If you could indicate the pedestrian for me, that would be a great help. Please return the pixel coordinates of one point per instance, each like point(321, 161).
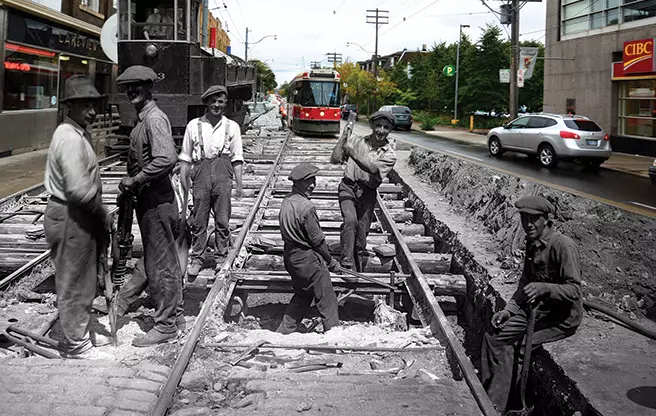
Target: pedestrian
point(306, 256)
point(76, 224)
point(368, 161)
point(151, 159)
point(211, 156)
point(551, 281)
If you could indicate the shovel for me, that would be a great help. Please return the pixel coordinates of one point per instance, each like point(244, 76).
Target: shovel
point(526, 410)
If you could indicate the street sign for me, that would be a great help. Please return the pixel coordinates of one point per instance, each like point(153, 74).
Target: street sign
point(520, 78)
point(449, 70)
point(504, 76)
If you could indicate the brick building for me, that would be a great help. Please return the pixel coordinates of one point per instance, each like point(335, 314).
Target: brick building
point(221, 39)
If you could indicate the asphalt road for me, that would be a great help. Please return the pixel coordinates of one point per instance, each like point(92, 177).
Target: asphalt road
point(619, 189)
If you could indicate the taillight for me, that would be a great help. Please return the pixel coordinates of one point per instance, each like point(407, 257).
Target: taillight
point(606, 137)
point(569, 135)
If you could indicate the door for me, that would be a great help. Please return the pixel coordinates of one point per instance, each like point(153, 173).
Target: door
point(533, 131)
point(512, 136)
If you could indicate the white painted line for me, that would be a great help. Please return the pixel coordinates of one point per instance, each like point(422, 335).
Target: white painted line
point(462, 155)
point(643, 205)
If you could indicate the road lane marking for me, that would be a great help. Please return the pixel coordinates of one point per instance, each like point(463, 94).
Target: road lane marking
point(464, 155)
point(643, 205)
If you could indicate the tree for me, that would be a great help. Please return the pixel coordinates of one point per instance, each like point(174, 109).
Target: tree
point(266, 79)
point(284, 89)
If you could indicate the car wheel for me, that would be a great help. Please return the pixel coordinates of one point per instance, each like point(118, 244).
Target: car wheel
point(494, 146)
point(547, 156)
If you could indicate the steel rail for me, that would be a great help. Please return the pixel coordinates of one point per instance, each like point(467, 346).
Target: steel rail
point(221, 286)
point(432, 315)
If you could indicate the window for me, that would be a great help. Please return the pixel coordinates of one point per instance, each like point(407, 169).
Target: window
point(638, 108)
point(153, 20)
point(583, 15)
point(582, 125)
point(520, 123)
point(91, 4)
point(536, 122)
point(319, 94)
point(31, 77)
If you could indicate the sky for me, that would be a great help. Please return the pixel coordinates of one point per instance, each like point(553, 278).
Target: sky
point(308, 29)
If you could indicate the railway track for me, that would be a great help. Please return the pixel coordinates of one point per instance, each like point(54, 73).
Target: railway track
point(433, 377)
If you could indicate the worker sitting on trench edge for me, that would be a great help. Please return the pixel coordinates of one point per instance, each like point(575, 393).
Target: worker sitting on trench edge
point(551, 279)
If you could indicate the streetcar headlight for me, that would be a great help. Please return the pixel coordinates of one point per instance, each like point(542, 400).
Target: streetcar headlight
point(151, 50)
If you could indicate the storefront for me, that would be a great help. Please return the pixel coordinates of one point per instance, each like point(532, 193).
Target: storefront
point(38, 55)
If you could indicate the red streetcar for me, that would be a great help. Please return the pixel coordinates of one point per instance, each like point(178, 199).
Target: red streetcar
point(313, 102)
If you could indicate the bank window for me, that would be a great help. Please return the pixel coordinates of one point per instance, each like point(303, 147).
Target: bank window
point(638, 108)
point(31, 78)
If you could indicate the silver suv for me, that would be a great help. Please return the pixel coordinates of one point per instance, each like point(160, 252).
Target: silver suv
point(552, 137)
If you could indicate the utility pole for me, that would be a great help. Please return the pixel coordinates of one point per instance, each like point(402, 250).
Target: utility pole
point(334, 58)
point(377, 17)
point(246, 47)
point(315, 65)
point(514, 58)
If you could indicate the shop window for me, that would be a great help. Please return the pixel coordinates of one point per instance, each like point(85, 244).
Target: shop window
point(91, 4)
point(31, 77)
point(638, 108)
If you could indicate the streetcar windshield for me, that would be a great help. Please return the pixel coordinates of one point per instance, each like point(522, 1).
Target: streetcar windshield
point(319, 94)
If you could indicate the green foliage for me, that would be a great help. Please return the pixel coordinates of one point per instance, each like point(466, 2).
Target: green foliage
point(266, 79)
point(283, 89)
point(426, 120)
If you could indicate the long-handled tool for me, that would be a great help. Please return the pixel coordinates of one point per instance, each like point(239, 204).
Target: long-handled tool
point(367, 278)
point(6, 328)
point(526, 367)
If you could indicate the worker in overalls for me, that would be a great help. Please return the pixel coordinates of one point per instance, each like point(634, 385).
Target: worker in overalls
point(306, 256)
point(151, 159)
point(551, 280)
point(211, 156)
point(75, 221)
point(368, 161)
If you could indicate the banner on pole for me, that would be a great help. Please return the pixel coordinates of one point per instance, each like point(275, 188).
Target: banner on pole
point(213, 37)
point(527, 58)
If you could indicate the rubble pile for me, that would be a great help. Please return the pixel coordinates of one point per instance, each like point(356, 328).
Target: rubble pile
point(265, 116)
point(616, 246)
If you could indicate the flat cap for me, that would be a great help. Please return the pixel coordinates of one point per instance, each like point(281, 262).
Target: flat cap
point(382, 114)
point(535, 205)
point(213, 90)
point(303, 171)
point(137, 73)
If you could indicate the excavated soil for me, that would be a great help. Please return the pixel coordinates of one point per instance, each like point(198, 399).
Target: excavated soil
point(616, 246)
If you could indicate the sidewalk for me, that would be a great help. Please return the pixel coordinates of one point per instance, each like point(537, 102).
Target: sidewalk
point(622, 162)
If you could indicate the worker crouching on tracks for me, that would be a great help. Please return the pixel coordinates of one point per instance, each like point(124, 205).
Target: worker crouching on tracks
point(306, 254)
point(211, 155)
point(151, 159)
point(76, 223)
point(368, 161)
point(551, 279)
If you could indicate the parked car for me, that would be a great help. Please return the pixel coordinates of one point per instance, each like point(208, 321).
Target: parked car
point(652, 173)
point(347, 109)
point(552, 137)
point(402, 115)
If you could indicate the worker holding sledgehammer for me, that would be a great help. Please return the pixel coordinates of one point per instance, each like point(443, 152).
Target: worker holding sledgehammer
point(551, 279)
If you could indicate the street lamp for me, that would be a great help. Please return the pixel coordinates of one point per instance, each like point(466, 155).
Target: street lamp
point(455, 106)
point(359, 46)
point(275, 37)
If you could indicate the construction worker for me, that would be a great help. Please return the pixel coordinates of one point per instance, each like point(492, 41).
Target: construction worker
point(76, 223)
point(368, 161)
point(211, 156)
point(306, 254)
point(551, 280)
point(151, 159)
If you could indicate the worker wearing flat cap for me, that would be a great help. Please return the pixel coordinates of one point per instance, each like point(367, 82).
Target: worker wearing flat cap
point(306, 256)
point(76, 224)
point(212, 157)
point(151, 159)
point(368, 161)
point(550, 284)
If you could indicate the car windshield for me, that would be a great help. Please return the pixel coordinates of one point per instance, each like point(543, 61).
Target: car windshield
point(400, 110)
point(583, 125)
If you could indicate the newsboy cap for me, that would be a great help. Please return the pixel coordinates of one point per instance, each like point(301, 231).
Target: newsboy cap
point(382, 114)
point(213, 90)
point(79, 87)
point(535, 205)
point(303, 171)
point(137, 73)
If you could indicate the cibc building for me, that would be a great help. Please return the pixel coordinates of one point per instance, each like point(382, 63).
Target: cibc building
point(40, 47)
point(605, 67)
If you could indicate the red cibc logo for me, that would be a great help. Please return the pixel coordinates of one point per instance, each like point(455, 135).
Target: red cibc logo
point(638, 56)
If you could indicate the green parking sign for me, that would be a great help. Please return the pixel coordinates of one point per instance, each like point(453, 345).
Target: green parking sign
point(449, 70)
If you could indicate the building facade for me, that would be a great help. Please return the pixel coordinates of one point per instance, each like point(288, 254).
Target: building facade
point(40, 47)
point(612, 77)
point(217, 37)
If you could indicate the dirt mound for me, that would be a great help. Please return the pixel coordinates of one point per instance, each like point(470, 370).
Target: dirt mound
point(616, 247)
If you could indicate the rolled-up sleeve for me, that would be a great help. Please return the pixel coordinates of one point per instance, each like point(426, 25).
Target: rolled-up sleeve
point(236, 147)
point(187, 145)
point(162, 149)
point(80, 185)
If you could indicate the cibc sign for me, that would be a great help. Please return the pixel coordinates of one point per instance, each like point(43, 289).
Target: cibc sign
point(638, 57)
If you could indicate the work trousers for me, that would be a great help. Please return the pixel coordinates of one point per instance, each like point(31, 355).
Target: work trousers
point(310, 281)
point(503, 353)
point(73, 236)
point(357, 203)
point(158, 217)
point(212, 188)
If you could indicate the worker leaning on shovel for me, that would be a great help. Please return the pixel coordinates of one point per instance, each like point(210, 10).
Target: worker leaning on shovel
point(76, 224)
point(551, 279)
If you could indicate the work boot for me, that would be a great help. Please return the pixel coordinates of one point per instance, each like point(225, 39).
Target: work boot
point(181, 323)
point(91, 354)
point(153, 337)
point(194, 267)
point(99, 340)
